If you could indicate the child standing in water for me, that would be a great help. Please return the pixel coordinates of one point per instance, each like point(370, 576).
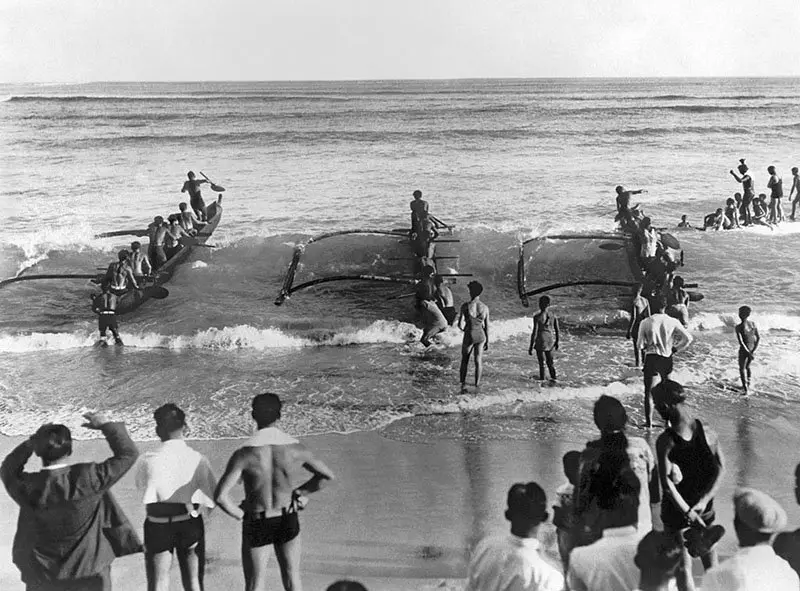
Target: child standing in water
point(544, 337)
point(747, 335)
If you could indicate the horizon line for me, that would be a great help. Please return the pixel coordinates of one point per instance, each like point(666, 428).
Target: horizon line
point(428, 79)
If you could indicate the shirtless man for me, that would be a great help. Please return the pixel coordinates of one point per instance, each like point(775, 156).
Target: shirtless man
point(418, 207)
point(775, 184)
point(747, 187)
point(188, 220)
point(157, 244)
point(433, 320)
point(120, 274)
point(139, 262)
point(192, 186)
point(152, 229)
point(796, 190)
point(173, 236)
point(269, 512)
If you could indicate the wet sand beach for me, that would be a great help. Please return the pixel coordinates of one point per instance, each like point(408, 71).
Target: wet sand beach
point(402, 515)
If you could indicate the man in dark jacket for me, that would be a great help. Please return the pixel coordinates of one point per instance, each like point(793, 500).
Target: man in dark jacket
point(69, 528)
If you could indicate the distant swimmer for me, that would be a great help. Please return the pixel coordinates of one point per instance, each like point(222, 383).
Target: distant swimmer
point(544, 337)
point(444, 299)
point(140, 264)
point(120, 274)
point(474, 321)
point(747, 187)
point(269, 512)
point(188, 220)
point(105, 306)
point(796, 190)
point(684, 223)
point(775, 184)
point(192, 186)
point(640, 309)
point(748, 338)
point(433, 321)
point(418, 207)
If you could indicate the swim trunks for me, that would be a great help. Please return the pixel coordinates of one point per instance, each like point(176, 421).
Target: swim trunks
point(106, 322)
point(449, 314)
point(657, 365)
point(166, 537)
point(262, 531)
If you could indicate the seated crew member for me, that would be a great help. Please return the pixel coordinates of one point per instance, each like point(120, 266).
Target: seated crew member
point(139, 262)
point(418, 207)
point(173, 237)
point(444, 299)
point(188, 220)
point(192, 186)
point(159, 256)
point(105, 306)
point(120, 273)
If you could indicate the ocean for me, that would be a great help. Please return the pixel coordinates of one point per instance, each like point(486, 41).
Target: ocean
point(501, 160)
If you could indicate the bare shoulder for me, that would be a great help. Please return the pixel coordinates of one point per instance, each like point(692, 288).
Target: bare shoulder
point(664, 443)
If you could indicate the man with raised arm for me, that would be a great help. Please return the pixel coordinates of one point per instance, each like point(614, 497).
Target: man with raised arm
point(69, 528)
point(269, 512)
point(192, 186)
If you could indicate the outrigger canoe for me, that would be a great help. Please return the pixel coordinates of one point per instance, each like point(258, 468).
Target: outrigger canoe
point(132, 299)
point(290, 288)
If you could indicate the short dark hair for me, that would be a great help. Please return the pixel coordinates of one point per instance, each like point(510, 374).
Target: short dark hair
point(658, 555)
point(668, 393)
point(571, 462)
point(620, 493)
point(344, 585)
point(266, 408)
point(169, 417)
point(527, 501)
point(660, 302)
point(544, 302)
point(745, 311)
point(475, 288)
point(417, 193)
point(609, 414)
point(53, 442)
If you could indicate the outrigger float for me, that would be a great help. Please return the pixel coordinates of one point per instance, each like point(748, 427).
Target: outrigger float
point(288, 288)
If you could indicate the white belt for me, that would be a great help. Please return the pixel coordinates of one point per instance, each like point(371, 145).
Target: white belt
point(108, 313)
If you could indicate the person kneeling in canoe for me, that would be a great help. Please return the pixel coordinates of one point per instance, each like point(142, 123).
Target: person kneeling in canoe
point(120, 274)
point(105, 306)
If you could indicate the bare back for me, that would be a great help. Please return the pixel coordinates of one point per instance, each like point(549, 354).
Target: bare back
point(266, 475)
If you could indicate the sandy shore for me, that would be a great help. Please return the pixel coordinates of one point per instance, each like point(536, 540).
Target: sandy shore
point(402, 515)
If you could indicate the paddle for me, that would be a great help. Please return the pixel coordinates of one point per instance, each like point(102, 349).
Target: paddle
point(122, 233)
point(214, 187)
point(46, 276)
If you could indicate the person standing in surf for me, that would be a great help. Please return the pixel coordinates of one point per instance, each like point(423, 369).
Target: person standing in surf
point(640, 309)
point(474, 321)
point(747, 188)
point(444, 299)
point(748, 338)
point(544, 338)
point(192, 186)
point(775, 184)
point(796, 190)
point(433, 321)
point(105, 306)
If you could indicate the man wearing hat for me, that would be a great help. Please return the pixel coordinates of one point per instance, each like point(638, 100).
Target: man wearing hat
point(514, 561)
point(757, 517)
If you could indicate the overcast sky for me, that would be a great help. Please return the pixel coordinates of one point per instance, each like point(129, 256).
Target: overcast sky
point(91, 40)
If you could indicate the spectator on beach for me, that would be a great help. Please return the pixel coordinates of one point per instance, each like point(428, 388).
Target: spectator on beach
point(748, 338)
point(787, 544)
point(755, 566)
point(688, 492)
point(608, 564)
point(747, 188)
point(612, 454)
point(70, 528)
point(775, 184)
point(640, 309)
point(796, 190)
point(544, 337)
point(474, 321)
point(269, 512)
point(176, 482)
point(513, 562)
point(658, 557)
point(564, 510)
point(660, 336)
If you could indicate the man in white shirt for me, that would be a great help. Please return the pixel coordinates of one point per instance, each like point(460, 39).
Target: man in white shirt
point(608, 564)
point(176, 481)
point(755, 566)
point(512, 562)
point(660, 336)
point(659, 556)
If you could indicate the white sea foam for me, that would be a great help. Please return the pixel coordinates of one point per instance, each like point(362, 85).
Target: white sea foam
point(707, 321)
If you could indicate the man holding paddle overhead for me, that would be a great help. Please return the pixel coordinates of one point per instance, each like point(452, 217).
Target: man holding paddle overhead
point(192, 186)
